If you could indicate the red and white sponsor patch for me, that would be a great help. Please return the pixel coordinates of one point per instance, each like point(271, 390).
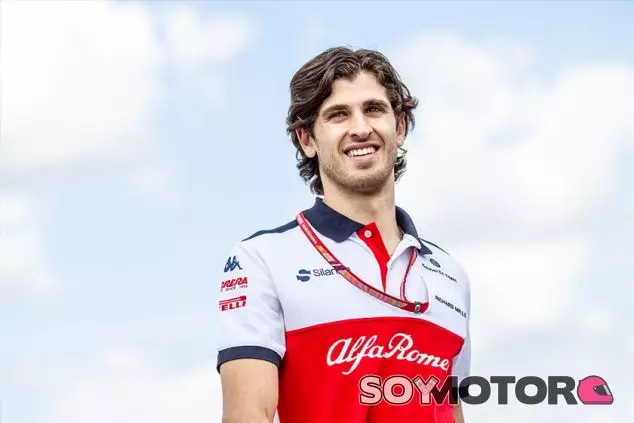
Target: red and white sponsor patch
point(233, 303)
point(231, 284)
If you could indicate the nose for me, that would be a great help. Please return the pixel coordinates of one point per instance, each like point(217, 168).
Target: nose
point(359, 127)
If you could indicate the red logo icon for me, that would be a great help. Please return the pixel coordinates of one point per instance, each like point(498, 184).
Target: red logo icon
point(594, 390)
point(233, 303)
point(231, 284)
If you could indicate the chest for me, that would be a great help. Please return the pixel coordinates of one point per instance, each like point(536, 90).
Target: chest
point(312, 293)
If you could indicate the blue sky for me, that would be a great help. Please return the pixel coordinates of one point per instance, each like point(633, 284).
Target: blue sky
point(141, 140)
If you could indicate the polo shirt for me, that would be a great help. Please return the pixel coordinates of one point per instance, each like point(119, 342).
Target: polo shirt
point(281, 301)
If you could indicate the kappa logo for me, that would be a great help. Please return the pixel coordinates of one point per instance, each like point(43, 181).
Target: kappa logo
point(232, 263)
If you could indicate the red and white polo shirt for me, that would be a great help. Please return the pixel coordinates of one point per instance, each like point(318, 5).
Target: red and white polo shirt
point(281, 301)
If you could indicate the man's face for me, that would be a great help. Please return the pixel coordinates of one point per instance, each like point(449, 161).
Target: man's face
point(356, 136)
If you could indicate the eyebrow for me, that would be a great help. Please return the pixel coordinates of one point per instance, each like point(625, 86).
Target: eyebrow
point(338, 107)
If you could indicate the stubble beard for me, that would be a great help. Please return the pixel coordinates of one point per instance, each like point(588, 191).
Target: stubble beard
point(369, 184)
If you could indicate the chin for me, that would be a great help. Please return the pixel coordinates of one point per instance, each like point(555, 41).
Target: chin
point(365, 183)
point(376, 171)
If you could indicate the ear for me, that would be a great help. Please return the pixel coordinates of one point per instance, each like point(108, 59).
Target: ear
point(400, 131)
point(307, 142)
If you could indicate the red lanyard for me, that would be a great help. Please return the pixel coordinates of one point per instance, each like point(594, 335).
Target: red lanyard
point(402, 303)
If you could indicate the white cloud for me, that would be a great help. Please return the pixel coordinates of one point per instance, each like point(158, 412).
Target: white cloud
point(126, 387)
point(598, 322)
point(193, 39)
point(156, 182)
point(514, 280)
point(506, 163)
point(312, 37)
point(602, 417)
point(80, 83)
point(82, 80)
point(23, 264)
point(197, 44)
point(502, 150)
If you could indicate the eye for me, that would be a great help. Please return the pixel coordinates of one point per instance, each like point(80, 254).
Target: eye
point(375, 109)
point(337, 114)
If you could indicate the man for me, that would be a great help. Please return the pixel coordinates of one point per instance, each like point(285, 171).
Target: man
point(331, 317)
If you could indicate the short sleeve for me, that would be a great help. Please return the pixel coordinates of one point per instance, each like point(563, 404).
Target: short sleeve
point(249, 314)
point(462, 361)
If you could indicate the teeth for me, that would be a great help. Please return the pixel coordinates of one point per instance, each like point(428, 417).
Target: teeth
point(361, 151)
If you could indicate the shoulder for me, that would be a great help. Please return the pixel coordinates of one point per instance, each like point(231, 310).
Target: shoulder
point(447, 261)
point(435, 249)
point(263, 242)
point(260, 249)
point(263, 233)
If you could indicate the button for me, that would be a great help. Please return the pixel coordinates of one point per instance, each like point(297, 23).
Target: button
point(368, 233)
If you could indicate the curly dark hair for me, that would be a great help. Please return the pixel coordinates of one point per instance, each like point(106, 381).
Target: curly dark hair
point(312, 85)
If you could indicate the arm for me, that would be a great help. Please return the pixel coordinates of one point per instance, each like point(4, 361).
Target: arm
point(457, 413)
point(462, 362)
point(251, 337)
point(249, 391)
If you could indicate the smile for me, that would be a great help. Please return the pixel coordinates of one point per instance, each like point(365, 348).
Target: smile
point(361, 151)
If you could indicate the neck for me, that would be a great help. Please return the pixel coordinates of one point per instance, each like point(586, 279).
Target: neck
point(377, 207)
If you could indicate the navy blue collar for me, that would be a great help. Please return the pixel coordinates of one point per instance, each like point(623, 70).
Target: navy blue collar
point(338, 227)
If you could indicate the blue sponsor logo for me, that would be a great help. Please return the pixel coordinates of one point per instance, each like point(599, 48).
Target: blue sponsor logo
point(440, 272)
point(232, 263)
point(304, 275)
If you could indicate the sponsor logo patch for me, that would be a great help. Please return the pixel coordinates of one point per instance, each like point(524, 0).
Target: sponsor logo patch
point(440, 272)
point(304, 275)
point(350, 352)
point(231, 284)
point(451, 306)
point(233, 303)
point(232, 264)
